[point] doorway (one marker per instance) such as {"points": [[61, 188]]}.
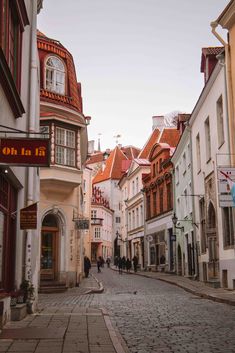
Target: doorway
{"points": [[49, 249]]}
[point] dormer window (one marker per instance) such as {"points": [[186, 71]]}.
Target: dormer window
{"points": [[55, 75]]}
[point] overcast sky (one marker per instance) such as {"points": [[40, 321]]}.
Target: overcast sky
{"points": [[134, 58]]}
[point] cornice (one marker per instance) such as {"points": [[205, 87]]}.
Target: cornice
{"points": [[227, 17]]}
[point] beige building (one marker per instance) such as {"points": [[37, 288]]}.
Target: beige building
{"points": [[61, 189]]}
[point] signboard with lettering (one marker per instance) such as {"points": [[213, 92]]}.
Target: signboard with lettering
{"points": [[25, 152], [82, 223], [28, 217], [224, 175]]}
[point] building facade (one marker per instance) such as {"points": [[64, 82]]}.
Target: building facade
{"points": [[61, 189], [19, 97]]}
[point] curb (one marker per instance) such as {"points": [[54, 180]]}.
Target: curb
{"points": [[96, 290], [118, 342], [199, 294]]}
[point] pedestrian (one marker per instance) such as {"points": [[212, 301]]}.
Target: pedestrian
{"points": [[135, 262], [99, 263], [87, 266], [120, 265], [123, 262], [128, 265], [116, 261], [108, 262]]}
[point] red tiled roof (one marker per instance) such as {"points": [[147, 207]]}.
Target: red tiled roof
{"points": [[113, 167], [131, 152], [212, 50], [144, 153], [170, 136], [143, 162], [95, 158]]}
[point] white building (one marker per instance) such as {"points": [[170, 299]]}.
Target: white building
{"points": [[210, 149]]}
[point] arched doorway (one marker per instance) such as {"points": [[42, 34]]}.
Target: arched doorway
{"points": [[49, 248], [179, 262]]}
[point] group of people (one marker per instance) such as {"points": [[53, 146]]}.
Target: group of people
{"points": [[125, 264], [122, 263]]}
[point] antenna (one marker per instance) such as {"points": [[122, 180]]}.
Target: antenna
{"points": [[116, 138]]}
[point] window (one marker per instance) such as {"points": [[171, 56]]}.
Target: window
{"points": [[161, 200], [141, 215], [198, 151], [65, 147], [228, 226], [137, 218], [152, 255], [154, 170], [189, 155], [129, 221], [154, 203], [55, 75], [185, 202], [93, 213], [133, 188], [208, 139], [133, 219], [220, 121], [137, 184], [97, 233], [202, 224], [184, 163], [177, 174], [169, 196], [118, 220], [148, 208]]}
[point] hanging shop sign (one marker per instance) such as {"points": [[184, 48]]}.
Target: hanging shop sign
{"points": [[82, 223], [31, 152], [28, 217]]}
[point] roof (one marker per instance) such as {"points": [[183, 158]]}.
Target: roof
{"points": [[144, 153], [210, 51], [170, 136], [142, 161], [130, 151], [113, 167], [95, 158]]}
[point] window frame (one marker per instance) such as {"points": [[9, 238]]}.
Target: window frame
{"points": [[65, 147], [55, 71]]}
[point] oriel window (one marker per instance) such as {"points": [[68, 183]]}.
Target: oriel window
{"points": [[55, 75]]}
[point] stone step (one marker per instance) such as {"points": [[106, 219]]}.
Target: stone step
{"points": [[51, 289]]}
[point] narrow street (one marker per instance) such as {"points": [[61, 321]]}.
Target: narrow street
{"points": [[153, 316]]}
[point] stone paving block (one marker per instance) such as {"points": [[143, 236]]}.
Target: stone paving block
{"points": [[102, 349], [5, 344], [33, 333], [23, 346]]}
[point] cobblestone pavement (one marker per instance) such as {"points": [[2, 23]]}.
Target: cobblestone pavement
{"points": [[157, 317]]}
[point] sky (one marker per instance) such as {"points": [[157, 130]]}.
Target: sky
{"points": [[134, 59]]}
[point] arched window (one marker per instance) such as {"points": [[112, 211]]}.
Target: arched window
{"points": [[55, 75]]}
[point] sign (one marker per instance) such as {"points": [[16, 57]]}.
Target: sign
{"points": [[225, 196], [82, 223], [28, 217], [31, 152]]}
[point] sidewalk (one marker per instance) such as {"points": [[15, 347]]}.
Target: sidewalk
{"points": [[193, 286], [64, 324]]}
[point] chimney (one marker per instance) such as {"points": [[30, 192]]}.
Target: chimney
{"points": [[91, 147], [158, 122]]}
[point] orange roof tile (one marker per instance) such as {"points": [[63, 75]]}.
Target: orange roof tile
{"points": [[95, 158], [113, 167], [170, 136], [130, 151], [144, 153]]}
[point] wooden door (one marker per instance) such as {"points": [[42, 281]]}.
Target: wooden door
{"points": [[49, 252]]}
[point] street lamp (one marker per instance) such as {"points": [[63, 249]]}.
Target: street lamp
{"points": [[175, 220]]}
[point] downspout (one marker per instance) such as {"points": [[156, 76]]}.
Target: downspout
{"points": [[228, 93], [32, 190]]}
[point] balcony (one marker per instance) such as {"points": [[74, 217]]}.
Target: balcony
{"points": [[59, 180], [96, 221]]}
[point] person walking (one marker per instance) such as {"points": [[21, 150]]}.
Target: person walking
{"points": [[135, 262], [128, 265], [99, 263], [87, 266], [120, 263], [108, 262]]}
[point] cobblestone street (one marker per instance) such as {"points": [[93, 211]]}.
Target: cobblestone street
{"points": [[153, 316]]}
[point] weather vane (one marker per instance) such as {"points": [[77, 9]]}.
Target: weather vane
{"points": [[116, 138]]}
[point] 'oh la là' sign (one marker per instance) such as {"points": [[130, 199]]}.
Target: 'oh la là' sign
{"points": [[33, 152]]}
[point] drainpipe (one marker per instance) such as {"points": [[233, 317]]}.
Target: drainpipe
{"points": [[32, 190], [228, 93]]}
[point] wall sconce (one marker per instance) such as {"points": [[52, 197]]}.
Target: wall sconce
{"points": [[175, 220]]}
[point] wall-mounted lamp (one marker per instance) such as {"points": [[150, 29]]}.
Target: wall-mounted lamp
{"points": [[175, 220], [88, 120]]}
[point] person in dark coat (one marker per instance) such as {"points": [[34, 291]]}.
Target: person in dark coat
{"points": [[128, 264], [135, 262], [87, 266], [120, 264], [123, 262], [99, 263]]}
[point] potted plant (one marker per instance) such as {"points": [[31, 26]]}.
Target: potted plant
{"points": [[27, 289]]}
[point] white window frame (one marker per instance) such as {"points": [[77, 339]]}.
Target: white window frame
{"points": [[65, 147], [55, 75]]}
